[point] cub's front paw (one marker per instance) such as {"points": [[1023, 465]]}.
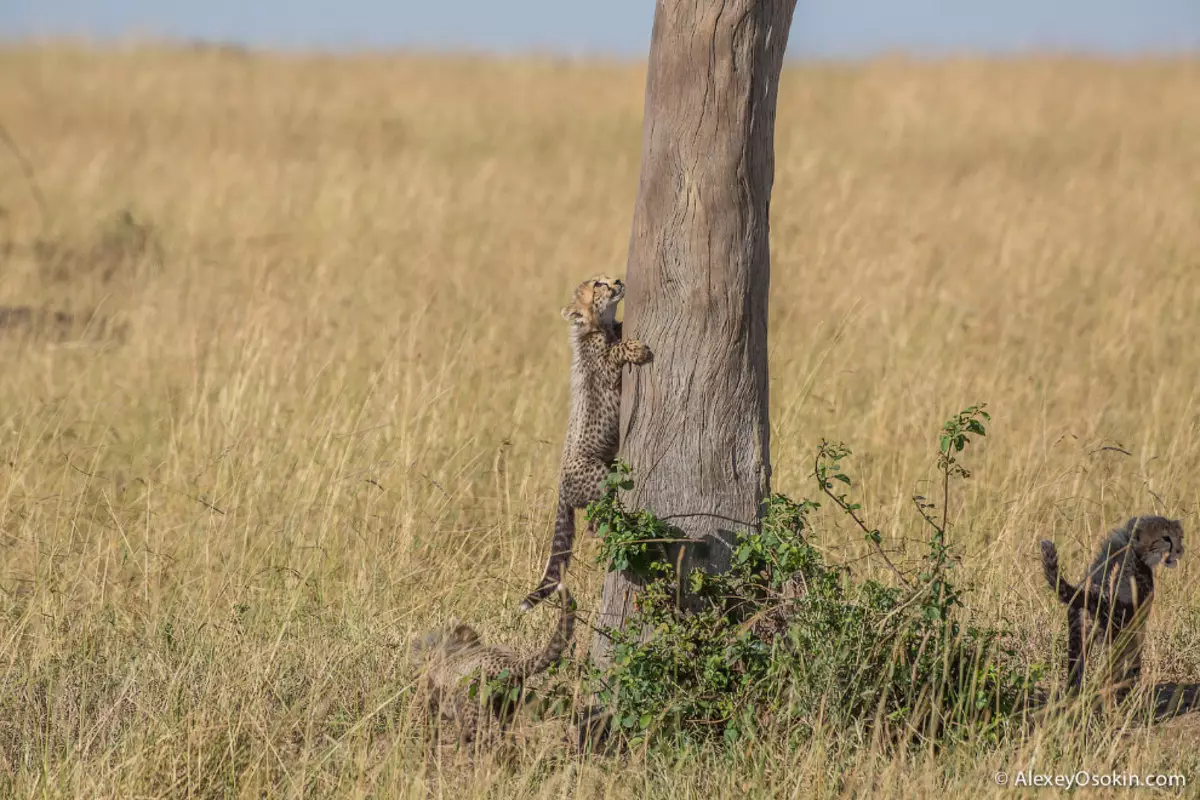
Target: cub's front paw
{"points": [[637, 352]]}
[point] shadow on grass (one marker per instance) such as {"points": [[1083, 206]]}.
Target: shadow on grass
{"points": [[1175, 699], [1161, 703]]}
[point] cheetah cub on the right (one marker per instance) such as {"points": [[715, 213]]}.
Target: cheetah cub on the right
{"points": [[594, 425], [1112, 603]]}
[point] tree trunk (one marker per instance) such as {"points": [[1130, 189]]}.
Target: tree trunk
{"points": [[694, 423]]}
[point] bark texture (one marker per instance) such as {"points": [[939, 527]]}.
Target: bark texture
{"points": [[694, 423]]}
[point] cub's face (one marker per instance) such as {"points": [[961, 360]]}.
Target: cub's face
{"points": [[445, 642], [1160, 540], [595, 302]]}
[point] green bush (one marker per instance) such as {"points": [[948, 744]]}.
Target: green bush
{"points": [[784, 641]]}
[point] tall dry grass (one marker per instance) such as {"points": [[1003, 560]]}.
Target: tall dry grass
{"points": [[336, 413]]}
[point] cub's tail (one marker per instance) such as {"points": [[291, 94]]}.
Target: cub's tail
{"points": [[1093, 602], [1066, 592], [1063, 589], [560, 555], [558, 641], [1073, 596]]}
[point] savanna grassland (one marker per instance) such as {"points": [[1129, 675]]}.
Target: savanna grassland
{"points": [[313, 395]]}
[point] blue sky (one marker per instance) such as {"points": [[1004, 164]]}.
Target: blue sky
{"points": [[823, 28]]}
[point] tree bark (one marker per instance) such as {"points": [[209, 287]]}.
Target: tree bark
{"points": [[695, 425]]}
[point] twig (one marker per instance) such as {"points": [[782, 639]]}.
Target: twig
{"points": [[871, 534], [1161, 505], [180, 492], [28, 173], [1113, 448], [945, 504], [912, 599]]}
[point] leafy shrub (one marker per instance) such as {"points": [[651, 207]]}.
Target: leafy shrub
{"points": [[784, 641]]}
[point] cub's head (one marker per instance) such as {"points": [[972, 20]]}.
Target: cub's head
{"points": [[594, 303], [1157, 540], [445, 642]]}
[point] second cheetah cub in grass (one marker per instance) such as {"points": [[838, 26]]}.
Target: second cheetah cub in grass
{"points": [[594, 425], [453, 659], [1112, 603]]}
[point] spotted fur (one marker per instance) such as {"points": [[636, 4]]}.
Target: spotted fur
{"points": [[1110, 607], [453, 659], [593, 426]]}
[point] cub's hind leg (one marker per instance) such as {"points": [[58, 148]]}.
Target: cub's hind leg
{"points": [[585, 485], [582, 482], [1075, 650]]}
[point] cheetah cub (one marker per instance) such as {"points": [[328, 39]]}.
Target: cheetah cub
{"points": [[1111, 605], [453, 659], [593, 426]]}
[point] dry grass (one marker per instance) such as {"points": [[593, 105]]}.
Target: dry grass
{"points": [[335, 415]]}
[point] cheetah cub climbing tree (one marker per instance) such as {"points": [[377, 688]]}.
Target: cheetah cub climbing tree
{"points": [[593, 426]]}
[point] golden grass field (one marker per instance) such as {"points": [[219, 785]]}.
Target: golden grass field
{"points": [[334, 416]]}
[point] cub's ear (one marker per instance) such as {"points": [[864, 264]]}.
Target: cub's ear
{"points": [[465, 634], [571, 314]]}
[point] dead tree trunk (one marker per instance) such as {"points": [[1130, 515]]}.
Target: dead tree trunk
{"points": [[695, 425]]}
